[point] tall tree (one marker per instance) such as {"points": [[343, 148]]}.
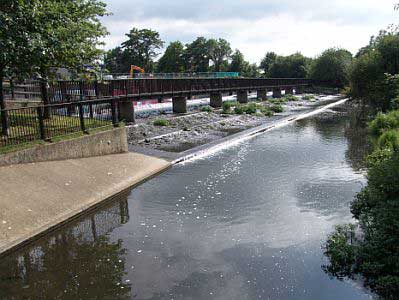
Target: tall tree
{"points": [[238, 63], [37, 35], [292, 66], [196, 56], [267, 61], [142, 47], [332, 67], [172, 60], [219, 53]]}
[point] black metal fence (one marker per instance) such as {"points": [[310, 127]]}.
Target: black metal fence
{"points": [[71, 106], [46, 122]]}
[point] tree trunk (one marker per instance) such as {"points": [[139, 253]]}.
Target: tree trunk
{"points": [[4, 116]]}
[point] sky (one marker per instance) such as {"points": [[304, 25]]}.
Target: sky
{"points": [[256, 26]]}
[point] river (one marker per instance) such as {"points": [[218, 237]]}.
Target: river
{"points": [[244, 223]]}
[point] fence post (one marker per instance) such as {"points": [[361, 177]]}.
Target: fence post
{"points": [[115, 121], [43, 88], [82, 118], [42, 130]]}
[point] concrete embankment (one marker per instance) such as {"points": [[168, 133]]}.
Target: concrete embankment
{"points": [[39, 197]]}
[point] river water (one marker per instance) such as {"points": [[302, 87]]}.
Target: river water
{"points": [[244, 223]]}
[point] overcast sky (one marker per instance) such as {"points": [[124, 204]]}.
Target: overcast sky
{"points": [[256, 26]]}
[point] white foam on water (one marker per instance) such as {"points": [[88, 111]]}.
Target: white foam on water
{"points": [[239, 140]]}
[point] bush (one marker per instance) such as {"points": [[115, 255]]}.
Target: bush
{"points": [[226, 106], [161, 122], [389, 139], [239, 110], [290, 98], [384, 122], [277, 108], [206, 109], [308, 97], [251, 108]]}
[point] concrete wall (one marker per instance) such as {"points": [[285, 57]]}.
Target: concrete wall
{"points": [[103, 143]]}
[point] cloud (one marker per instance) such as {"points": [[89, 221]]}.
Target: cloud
{"points": [[256, 26]]}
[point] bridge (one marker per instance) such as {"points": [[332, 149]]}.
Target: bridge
{"points": [[65, 107]]}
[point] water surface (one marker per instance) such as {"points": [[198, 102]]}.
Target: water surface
{"points": [[246, 223]]}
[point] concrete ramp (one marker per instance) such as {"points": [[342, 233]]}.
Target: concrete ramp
{"points": [[38, 197]]}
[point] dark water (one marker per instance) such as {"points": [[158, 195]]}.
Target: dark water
{"points": [[247, 223]]}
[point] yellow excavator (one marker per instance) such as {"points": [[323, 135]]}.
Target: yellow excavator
{"points": [[137, 69]]}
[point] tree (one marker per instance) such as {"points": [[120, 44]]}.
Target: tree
{"points": [[292, 66], [267, 61], [38, 35], [219, 52], [238, 63], [332, 67], [172, 60], [141, 47], [196, 56]]}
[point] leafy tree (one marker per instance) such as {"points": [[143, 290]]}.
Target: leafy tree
{"points": [[267, 61], [238, 63], [172, 60], [219, 52], [116, 61], [38, 35], [292, 66], [196, 56], [332, 67], [141, 47]]}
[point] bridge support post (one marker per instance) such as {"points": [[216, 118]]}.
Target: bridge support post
{"points": [[242, 96], [276, 93], [262, 95], [289, 90], [179, 104], [216, 100], [126, 110]]}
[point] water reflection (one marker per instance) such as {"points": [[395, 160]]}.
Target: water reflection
{"points": [[247, 223], [78, 263]]}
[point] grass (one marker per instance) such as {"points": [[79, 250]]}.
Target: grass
{"points": [[24, 131], [276, 108], [19, 147], [161, 122]]}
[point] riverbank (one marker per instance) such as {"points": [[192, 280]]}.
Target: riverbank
{"points": [[39, 197]]}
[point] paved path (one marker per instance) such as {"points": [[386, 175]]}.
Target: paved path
{"points": [[37, 197]]}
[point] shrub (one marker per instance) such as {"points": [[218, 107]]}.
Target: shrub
{"points": [[239, 110], [206, 109], [290, 98], [161, 122], [384, 122], [308, 97], [226, 106], [277, 108], [389, 139], [251, 108]]}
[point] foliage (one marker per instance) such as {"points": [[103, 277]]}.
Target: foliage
{"points": [[196, 55], [239, 110], [227, 105], [37, 36], [172, 60], [267, 61], [277, 108], [219, 52], [292, 66], [142, 46], [375, 255], [161, 122], [383, 122], [308, 97], [370, 73], [206, 109], [332, 67], [287, 98]]}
